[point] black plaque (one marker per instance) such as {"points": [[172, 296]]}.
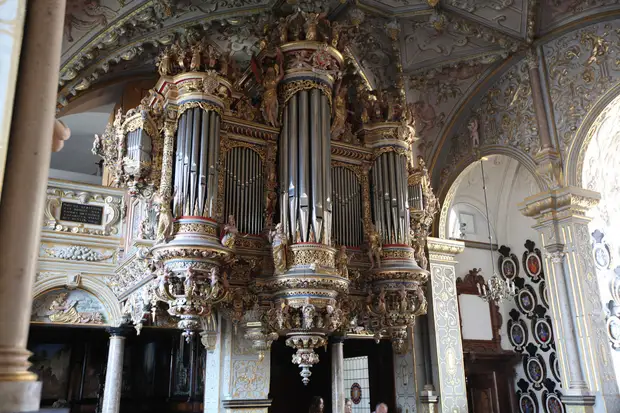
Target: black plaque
{"points": [[85, 214]]}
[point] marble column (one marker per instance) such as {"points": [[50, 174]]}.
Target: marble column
{"points": [[445, 327], [23, 196], [588, 377], [114, 371], [548, 157], [336, 346]]}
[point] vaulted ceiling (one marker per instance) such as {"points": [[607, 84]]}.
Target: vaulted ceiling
{"points": [[446, 46]]}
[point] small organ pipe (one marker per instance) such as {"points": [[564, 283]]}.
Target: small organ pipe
{"points": [[178, 168]]}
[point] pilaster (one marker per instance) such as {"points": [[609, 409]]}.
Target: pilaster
{"points": [[588, 377], [242, 377], [445, 328]]}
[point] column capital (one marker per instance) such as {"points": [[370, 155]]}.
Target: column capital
{"points": [[120, 331], [336, 339], [559, 204], [444, 250]]}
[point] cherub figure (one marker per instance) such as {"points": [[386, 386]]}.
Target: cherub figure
{"points": [[473, 133], [270, 79]]}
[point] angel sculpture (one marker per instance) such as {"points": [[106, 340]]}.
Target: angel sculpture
{"points": [[312, 23], [374, 247], [164, 62], [342, 262], [164, 222], [270, 79], [196, 62], [230, 232], [278, 246], [339, 111]]}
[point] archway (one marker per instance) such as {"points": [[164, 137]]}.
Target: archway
{"points": [[600, 173], [515, 337]]}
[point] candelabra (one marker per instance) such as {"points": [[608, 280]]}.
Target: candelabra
{"points": [[497, 289]]}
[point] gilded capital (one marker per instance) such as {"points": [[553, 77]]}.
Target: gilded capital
{"points": [[559, 204], [444, 249]]}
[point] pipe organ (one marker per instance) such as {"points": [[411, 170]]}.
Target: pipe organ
{"points": [[267, 210], [196, 167], [390, 203], [244, 189], [348, 211]]}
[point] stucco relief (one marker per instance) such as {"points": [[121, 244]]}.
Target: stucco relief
{"points": [[404, 382], [582, 66], [249, 380], [564, 11], [436, 95], [505, 117], [503, 14], [448, 339]]}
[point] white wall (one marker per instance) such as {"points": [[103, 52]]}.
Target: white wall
{"points": [[602, 174], [508, 184]]}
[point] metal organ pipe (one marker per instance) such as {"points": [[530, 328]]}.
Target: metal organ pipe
{"points": [[390, 192], [304, 166], [347, 189], [243, 194], [196, 163], [292, 139]]}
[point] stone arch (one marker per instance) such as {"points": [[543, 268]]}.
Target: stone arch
{"points": [[448, 190], [90, 284], [589, 126]]}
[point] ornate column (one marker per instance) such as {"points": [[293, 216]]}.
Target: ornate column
{"points": [[23, 196], [445, 327], [114, 370], [338, 395], [588, 378]]}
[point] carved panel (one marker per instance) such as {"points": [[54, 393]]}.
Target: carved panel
{"points": [[63, 306], [582, 67], [447, 332]]}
